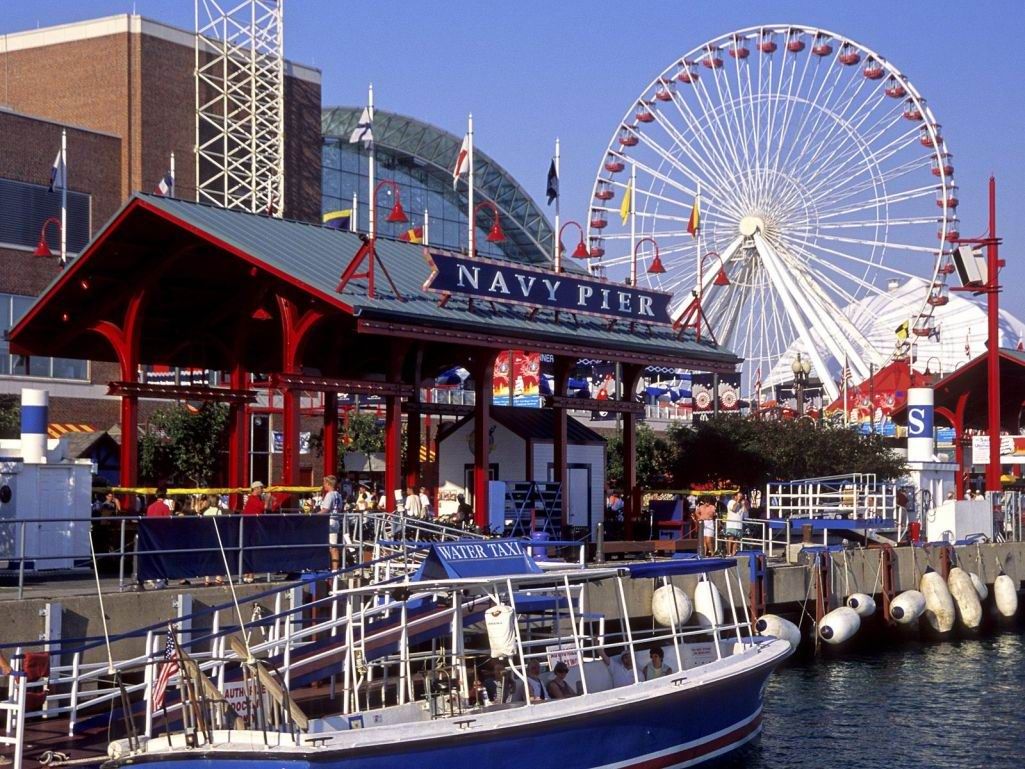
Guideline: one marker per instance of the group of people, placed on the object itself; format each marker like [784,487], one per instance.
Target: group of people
[704,515]
[621,669]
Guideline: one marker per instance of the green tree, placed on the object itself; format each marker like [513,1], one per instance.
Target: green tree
[182,445]
[361,432]
[656,456]
[10,416]
[752,452]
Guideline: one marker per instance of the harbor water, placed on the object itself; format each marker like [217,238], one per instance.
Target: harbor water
[914,705]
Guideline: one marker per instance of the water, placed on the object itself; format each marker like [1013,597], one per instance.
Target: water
[914,706]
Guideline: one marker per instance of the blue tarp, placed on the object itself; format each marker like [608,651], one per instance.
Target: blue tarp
[300,543]
[476,558]
[679,567]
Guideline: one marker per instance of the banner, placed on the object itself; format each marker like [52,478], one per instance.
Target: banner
[1012,449]
[279,442]
[517,374]
[511,283]
[703,395]
[272,543]
[729,393]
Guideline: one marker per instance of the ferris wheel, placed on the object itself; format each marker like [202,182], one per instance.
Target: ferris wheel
[771,178]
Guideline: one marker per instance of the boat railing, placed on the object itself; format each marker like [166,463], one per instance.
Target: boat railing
[855,496]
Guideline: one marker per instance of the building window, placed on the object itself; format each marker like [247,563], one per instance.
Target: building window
[12,308]
[26,206]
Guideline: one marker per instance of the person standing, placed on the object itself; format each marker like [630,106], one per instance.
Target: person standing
[413,506]
[160,507]
[425,503]
[331,505]
[256,501]
[734,523]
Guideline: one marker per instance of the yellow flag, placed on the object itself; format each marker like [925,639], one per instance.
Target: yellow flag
[626,207]
[902,331]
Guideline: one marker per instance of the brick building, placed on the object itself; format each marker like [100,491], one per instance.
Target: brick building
[124,90]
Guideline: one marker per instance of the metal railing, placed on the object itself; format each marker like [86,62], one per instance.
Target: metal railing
[371,529]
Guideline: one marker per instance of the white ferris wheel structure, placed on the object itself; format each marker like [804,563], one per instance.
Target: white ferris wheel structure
[820,174]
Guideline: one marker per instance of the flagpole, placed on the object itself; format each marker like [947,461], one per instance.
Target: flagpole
[701,264]
[427,228]
[471,240]
[173,182]
[633,224]
[64,197]
[370,165]
[354,219]
[846,409]
[558,245]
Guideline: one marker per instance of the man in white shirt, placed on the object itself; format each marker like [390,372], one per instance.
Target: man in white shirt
[412,505]
[425,503]
[734,522]
[621,668]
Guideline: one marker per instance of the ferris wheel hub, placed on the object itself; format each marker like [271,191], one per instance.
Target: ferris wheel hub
[749,225]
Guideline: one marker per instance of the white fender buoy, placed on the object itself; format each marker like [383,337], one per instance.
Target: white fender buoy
[778,627]
[907,607]
[980,586]
[1005,595]
[707,604]
[939,603]
[862,603]
[966,598]
[839,625]
[671,606]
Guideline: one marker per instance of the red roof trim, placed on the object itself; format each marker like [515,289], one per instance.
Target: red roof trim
[136,203]
[70,273]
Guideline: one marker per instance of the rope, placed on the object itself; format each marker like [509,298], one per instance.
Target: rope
[879,574]
[807,596]
[846,575]
[222,490]
[55,758]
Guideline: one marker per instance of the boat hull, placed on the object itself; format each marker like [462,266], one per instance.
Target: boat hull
[676,724]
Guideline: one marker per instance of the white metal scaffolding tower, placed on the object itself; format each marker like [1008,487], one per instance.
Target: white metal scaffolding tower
[240,132]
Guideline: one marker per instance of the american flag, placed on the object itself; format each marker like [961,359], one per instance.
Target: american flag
[168,668]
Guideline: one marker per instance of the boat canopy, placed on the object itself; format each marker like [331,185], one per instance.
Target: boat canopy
[475,558]
[679,566]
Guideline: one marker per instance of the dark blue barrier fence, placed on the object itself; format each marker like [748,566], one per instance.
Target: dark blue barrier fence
[180,548]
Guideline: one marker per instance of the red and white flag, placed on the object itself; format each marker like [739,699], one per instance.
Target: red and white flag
[168,669]
[462,161]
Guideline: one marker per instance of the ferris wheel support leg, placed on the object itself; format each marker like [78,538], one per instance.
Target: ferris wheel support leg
[787,295]
[687,314]
[825,314]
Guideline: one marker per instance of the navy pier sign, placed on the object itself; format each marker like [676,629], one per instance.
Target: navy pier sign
[515,284]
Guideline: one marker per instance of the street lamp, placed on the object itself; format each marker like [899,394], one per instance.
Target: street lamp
[654,268]
[396,215]
[801,369]
[41,248]
[495,235]
[580,252]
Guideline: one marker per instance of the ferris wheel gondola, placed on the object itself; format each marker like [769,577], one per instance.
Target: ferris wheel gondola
[821,173]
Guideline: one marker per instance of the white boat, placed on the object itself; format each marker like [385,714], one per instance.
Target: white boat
[410,655]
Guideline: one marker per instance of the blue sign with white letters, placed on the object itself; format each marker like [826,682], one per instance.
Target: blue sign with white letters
[515,284]
[920,422]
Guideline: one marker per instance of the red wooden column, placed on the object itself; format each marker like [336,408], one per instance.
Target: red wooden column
[414,441]
[483,372]
[238,437]
[631,491]
[392,447]
[125,341]
[393,424]
[294,327]
[330,433]
[560,438]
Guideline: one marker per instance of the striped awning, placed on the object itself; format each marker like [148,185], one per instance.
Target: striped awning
[57,429]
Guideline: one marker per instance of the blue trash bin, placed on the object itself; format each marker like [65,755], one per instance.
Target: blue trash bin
[539,553]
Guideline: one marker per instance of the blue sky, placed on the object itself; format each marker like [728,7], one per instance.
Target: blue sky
[530,71]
